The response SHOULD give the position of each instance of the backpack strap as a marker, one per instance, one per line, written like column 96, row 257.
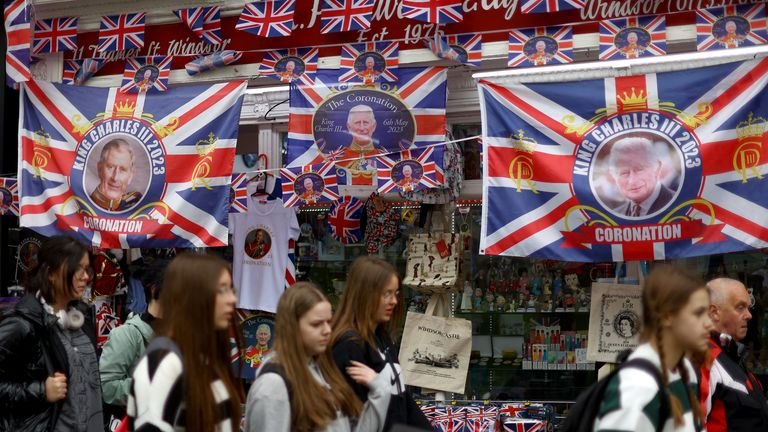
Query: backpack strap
column 651, row 369
column 272, row 367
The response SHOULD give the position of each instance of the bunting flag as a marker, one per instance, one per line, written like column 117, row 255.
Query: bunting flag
column 369, row 62
column 348, row 125
column 540, row 46
column 633, row 37
column 123, row 170
column 212, row 25
column 86, row 69
column 411, row 170
column 309, row 184
column 238, row 193
column 121, row 32
column 344, row 220
column 449, row 418
column 9, row 197
column 548, row 6
column 267, row 19
column 18, row 35
column 212, row 61
column 481, row 418
column 730, row 27
column 345, row 15
column 143, row 74
column 434, row 11
column 192, row 18
column 465, row 49
column 55, row 35
column 69, row 70
column 649, row 167
column 289, row 65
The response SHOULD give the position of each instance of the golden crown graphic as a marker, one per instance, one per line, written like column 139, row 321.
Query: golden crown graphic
column 634, row 101
column 42, row 137
column 523, row 143
column 205, row 146
column 751, row 127
column 124, row 109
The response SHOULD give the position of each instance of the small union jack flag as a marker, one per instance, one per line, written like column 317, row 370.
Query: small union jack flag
column 238, row 194
column 449, row 418
column 539, row 6
column 633, row 37
column 730, row 27
column 434, row 11
column 289, row 65
column 9, row 196
column 87, row 68
column 540, row 46
column 106, row 320
column 18, row 33
column 267, row 19
column 212, row 25
column 309, row 184
column 55, row 35
column 344, row 220
column 212, row 61
column 481, row 418
column 369, row 62
column 121, row 32
column 193, row 18
column 465, row 49
column 143, row 74
column 345, row 15
column 523, row 425
column 410, row 170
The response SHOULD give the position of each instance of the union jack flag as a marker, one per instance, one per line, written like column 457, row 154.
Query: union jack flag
column 55, row 35
column 354, row 68
column 238, row 195
column 421, row 91
column 540, row 46
column 106, row 320
column 212, row 25
column 345, row 15
column 18, row 34
column 77, row 72
column 69, row 70
column 121, row 32
column 633, row 37
column 480, row 418
column 344, row 220
column 296, row 184
column 730, row 27
column 551, row 190
column 425, row 166
column 143, row 74
column 434, row 11
column 267, row 19
column 9, row 196
column 449, row 419
column 539, row 6
column 212, row 61
column 183, row 143
column 193, row 18
column 523, row 425
column 465, row 49
column 276, row 63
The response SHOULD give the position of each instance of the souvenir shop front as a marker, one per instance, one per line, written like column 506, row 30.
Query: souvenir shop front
column 476, row 145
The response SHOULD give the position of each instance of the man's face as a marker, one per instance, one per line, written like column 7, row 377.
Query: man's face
column 636, row 176
column 407, row 171
column 259, row 236
column 730, row 27
column 262, row 336
column 115, row 173
column 147, row 74
column 632, row 38
column 369, row 62
column 540, row 45
column 732, row 317
column 290, row 66
column 309, row 185
column 361, row 123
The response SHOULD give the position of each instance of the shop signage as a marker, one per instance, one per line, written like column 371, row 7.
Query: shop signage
column 647, row 167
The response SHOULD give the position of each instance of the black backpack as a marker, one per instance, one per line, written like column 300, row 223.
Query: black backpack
column 582, row 414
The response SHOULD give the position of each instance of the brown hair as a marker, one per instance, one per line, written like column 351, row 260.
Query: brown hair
column 188, row 300
column 366, row 280
column 666, row 290
column 315, row 406
column 58, row 253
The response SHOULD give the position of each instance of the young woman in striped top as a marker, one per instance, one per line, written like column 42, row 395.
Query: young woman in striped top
column 675, row 321
column 184, row 381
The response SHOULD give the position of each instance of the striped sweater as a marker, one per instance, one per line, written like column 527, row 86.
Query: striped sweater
column 632, row 399
column 156, row 401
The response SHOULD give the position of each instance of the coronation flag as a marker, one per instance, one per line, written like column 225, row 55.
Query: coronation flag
column 176, row 192
column 143, row 74
column 309, row 184
column 9, row 196
column 345, row 15
column 121, row 32
column 212, row 61
column 289, row 65
column 192, row 18
column 434, row 11
column 540, row 46
column 344, row 220
column 633, row 37
column 730, row 27
column 649, row 167
column 267, row 19
column 54, row 35
column 410, row 170
column 540, row 6
column 18, row 36
column 369, row 62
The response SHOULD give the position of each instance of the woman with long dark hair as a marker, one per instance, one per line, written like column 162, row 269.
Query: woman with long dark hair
column 300, row 388
column 184, row 380
column 362, row 333
column 49, row 375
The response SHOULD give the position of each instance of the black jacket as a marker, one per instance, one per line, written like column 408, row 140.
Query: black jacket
column 30, row 352
column 402, row 408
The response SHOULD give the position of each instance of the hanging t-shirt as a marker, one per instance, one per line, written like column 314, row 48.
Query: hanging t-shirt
column 261, row 239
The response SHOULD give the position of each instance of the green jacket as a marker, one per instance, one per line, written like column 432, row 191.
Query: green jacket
column 121, row 352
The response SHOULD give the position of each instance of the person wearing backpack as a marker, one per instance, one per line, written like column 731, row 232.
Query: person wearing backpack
column 675, row 322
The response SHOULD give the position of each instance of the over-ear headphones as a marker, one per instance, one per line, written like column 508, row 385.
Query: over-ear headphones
column 71, row 319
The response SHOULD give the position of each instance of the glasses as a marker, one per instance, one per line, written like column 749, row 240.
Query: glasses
column 82, row 271
column 389, row 295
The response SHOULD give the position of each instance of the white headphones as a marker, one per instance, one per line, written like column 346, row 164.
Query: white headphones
column 71, row 319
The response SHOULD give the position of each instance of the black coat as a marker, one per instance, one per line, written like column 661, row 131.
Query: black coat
column 30, row 352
